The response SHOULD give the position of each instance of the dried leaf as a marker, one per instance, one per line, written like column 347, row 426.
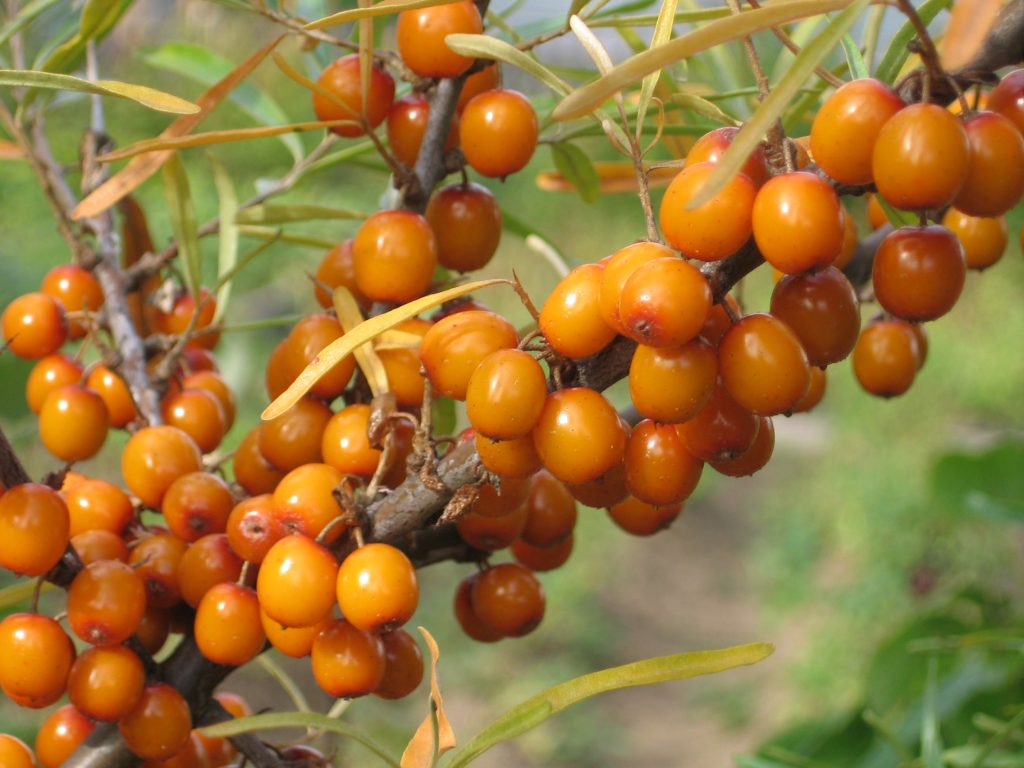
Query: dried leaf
column 383, row 8
column 141, row 168
column 968, row 27
column 140, row 94
column 422, row 752
column 349, row 316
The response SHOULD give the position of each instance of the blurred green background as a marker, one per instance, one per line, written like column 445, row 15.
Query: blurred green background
column 861, row 534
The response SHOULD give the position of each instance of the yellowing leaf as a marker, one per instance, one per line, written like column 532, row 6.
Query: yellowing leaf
column 349, row 316
column 140, row 94
column 383, row 8
column 969, row 25
column 612, row 177
column 662, row 34
column 586, row 99
column 422, row 752
column 366, row 331
column 397, row 340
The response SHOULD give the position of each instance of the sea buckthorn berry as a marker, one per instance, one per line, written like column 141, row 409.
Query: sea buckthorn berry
column 550, row 512
column 505, row 394
column 342, row 80
column 797, row 224
column 715, row 229
column 98, row 544
column 1007, row 98
column 490, row 534
column 60, row 735
column 228, row 628
column 346, row 442
column 154, row 457
column 455, row 345
column 77, row 290
column 756, row 456
column 305, row 342
column 377, row 588
column 253, row 528
column 877, row 217
column 610, row 488
column 296, row 436
column 177, row 321
column 252, row 470
column 304, row 500
column 34, row 529
column 508, row 458
column 403, row 670
column 156, row 559
column 347, row 662
column 919, row 272
column 106, row 683
column 763, row 365
column 197, row 504
column 659, row 468
column 722, row 429
column 815, row 392
column 509, row 598
column 821, row 308
column 106, row 601
column 402, row 366
column 885, row 360
column 984, row 239
column 995, row 173
column 617, row 270
column 337, row 268
column 199, row 414
column 710, row 147
column 921, row 157
column 35, row 659
column 73, row 423
column 664, row 303
column 845, row 129
column 466, row 220
column 394, row 253
column 154, row 629
column 485, row 79
column 205, row 564
column 671, row 384
column 159, row 725
column 116, row 395
column 719, row 320
column 642, row 519
column 466, row 615
column 50, row 373
column 295, row 642
column 297, row 582
column 14, row 753
column 213, row 383
column 277, row 377
column 579, row 436
column 498, row 132
column 34, row 325
column 541, row 559
column 421, row 33
column 492, row 501
column 193, row 755
column 407, row 123
column 571, row 319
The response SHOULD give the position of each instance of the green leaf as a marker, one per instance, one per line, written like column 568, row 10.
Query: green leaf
column 487, row 47
column 854, row 58
column 284, row 214
column 297, row 720
column 988, row 484
column 577, row 168
column 272, row 233
column 227, row 253
column 534, row 711
column 704, row 108
column 141, row 94
column 182, row 214
column 20, row 592
column 931, row 741
column 442, row 416
column 24, row 17
column 98, row 18
column 895, row 216
column 897, row 54
column 383, row 8
column 205, row 67
column 772, row 108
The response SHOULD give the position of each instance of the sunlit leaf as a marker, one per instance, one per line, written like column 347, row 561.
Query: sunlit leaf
column 704, row 108
column 140, row 94
column 662, row 34
column 968, row 27
column 487, row 47
column 141, row 168
column 182, row 214
column 383, row 8
column 780, row 98
column 535, row 710
column 362, row 333
column 227, row 232
column 284, row 214
column 576, row 167
column 369, row 362
column 20, row 592
column 276, row 720
column 592, row 95
column 422, row 751
column 612, row 177
column 25, row 16
column 98, row 18
column 397, row 340
column 897, row 54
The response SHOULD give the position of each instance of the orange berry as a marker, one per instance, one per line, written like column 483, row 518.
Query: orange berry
column 983, row 239
column 106, row 683
column 116, row 396
column 579, row 436
column 710, row 147
column 154, row 629
column 34, row 325
column 815, row 392
column 304, row 500
column 885, row 360
column 296, row 436
column 919, row 272
column 610, row 488
column 466, row 221
column 664, row 303
column 98, row 544
column 252, row 469
column 715, row 229
column 671, row 384
column 154, row 457
column 205, row 564
column 34, row 529
column 304, row 344
column 850, row 239
column 159, row 725
column 485, row 79
column 455, row 345
column 14, row 753
column 346, row 442
column 197, row 504
column 763, row 365
column 513, row 458
column 403, row 670
column 394, row 254
column 822, row 309
column 342, row 79
column 541, row 559
column 509, row 598
column 73, row 423
column 253, row 528
column 402, row 366
column 296, row 642
column 60, row 735
column 407, row 124
column 755, row 457
column 35, row 659
column 876, row 214
column 550, row 512
column 721, row 430
column 719, row 321
column 50, row 373
column 490, row 534
column 347, row 662
column 377, row 588
column 494, row 501
column 1007, row 98
column 421, row 38
column 498, row 132
column 505, row 394
column 228, row 628
column 77, row 290
column 156, row 559
column 337, row 269
column 995, row 173
column 213, row 383
column 197, row 413
column 797, row 222
column 296, row 584
column 106, row 601
column 571, row 318
column 466, row 615
column 659, row 468
column 618, row 269
column 642, row 519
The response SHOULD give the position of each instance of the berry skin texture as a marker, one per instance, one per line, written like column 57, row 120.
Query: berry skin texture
column 304, row 500
column 60, row 734
column 155, row 457
column 921, row 157
column 716, row 229
column 50, row 373
column 672, row 384
column 540, row 559
column 252, row 528
column 14, row 753
column 763, row 365
column 421, row 32
column 722, row 430
column 579, row 436
column 550, row 512
column 466, row 615
column 336, row 269
column 156, row 559
column 498, row 132
column 347, row 662
column 106, row 602
column 73, row 423
column 845, row 129
column 664, row 303
column 346, row 443
column 92, row 546
column 116, row 395
column 797, row 222
column 642, row 519
column 197, row 504
column 659, row 468
column 199, row 414
column 407, row 123
column 710, row 147
column 205, row 564
column 919, row 272
column 756, row 457
column 456, row 344
column 228, row 629
column 34, row 325
column 77, row 290
column 304, row 343
column 394, row 254
column 984, row 238
column 995, row 174
column 617, row 270
column 342, row 79
column 490, row 534
column 34, row 529
column 515, row 458
column 506, row 394
column 509, row 599
column 403, row 670
column 106, row 683
column 1007, row 98
column 377, row 588
column 815, row 392
column 35, row 659
column 296, row 582
column 886, row 358
column 571, row 318
column 253, row 471
column 160, row 724
column 821, row 308
column 296, row 436
column 466, row 221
